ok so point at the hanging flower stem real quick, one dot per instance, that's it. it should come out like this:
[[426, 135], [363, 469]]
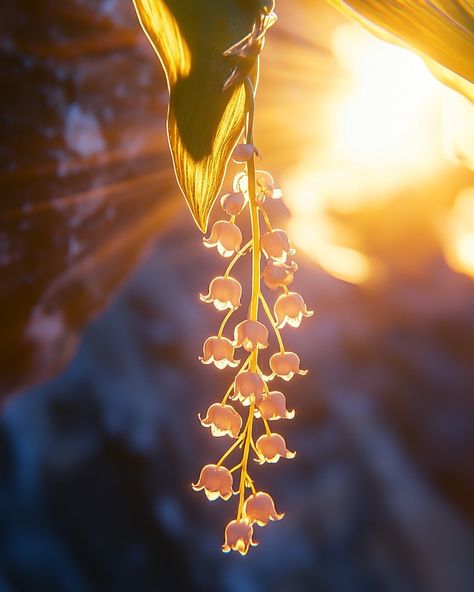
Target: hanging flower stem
[[256, 255], [249, 387], [244, 473], [268, 312], [266, 219], [224, 321], [242, 252], [254, 219]]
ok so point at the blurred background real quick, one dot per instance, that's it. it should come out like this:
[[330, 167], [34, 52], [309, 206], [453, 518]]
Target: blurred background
[[100, 271]]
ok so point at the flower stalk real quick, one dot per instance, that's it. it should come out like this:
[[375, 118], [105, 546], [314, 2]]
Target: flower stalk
[[250, 386]]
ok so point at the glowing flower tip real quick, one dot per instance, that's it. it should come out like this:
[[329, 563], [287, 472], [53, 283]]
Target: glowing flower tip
[[238, 537]]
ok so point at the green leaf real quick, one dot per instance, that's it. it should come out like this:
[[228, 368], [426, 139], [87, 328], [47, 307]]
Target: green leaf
[[441, 31], [204, 122]]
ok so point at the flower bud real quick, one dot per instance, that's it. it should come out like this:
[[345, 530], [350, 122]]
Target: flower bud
[[223, 420], [259, 508], [224, 292], [216, 482], [220, 352], [273, 406], [278, 275], [226, 236], [248, 388], [271, 448], [290, 308], [285, 365], [238, 537], [233, 203], [276, 245], [243, 153], [251, 335]]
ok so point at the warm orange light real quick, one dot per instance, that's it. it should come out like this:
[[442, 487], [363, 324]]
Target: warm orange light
[[383, 120], [458, 129], [386, 133], [458, 233]]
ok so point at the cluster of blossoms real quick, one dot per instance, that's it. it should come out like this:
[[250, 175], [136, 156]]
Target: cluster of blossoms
[[250, 391]]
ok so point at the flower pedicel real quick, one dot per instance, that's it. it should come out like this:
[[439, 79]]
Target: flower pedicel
[[249, 391]]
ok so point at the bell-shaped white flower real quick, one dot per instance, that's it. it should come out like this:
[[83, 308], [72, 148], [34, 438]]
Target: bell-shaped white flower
[[226, 236], [233, 203], [285, 365], [278, 275], [272, 447], [224, 292], [273, 406], [223, 420], [216, 482], [220, 352], [248, 388], [259, 508], [290, 308], [276, 245], [238, 537], [266, 187], [251, 335]]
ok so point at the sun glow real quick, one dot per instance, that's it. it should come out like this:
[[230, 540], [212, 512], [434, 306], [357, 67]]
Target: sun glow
[[383, 119], [385, 134]]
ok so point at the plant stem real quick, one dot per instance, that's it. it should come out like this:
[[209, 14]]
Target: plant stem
[[253, 308], [224, 321], [266, 219], [254, 218], [230, 450], [245, 458], [235, 468], [237, 257], [267, 427], [272, 321], [252, 443]]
